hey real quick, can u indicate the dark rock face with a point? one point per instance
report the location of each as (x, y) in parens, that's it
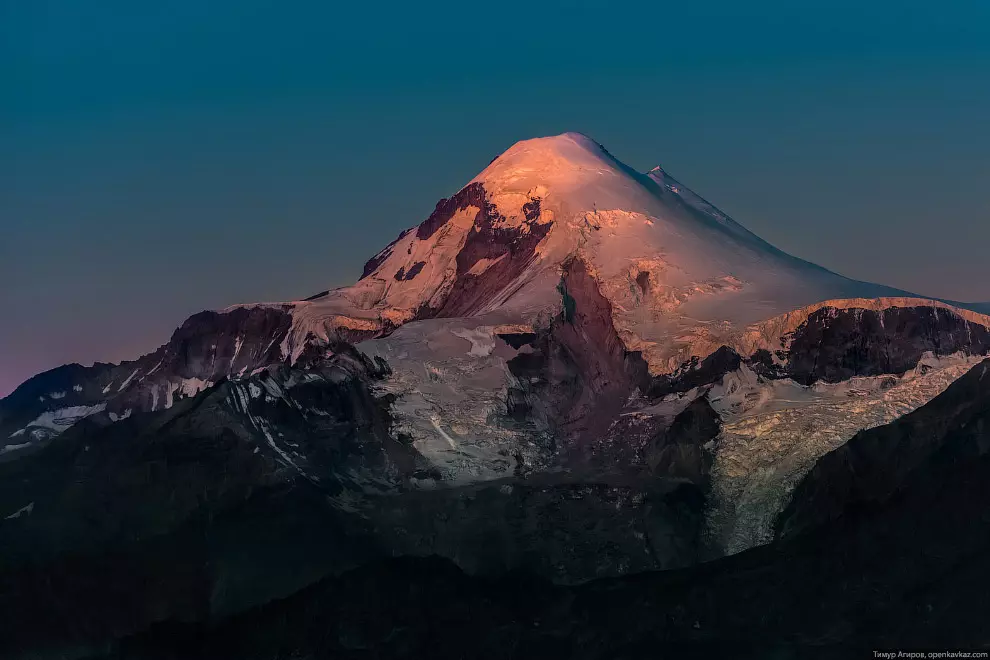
(834, 345)
(874, 465)
(518, 339)
(762, 363)
(510, 249)
(696, 373)
(643, 282)
(678, 445)
(837, 344)
(372, 264)
(401, 275)
(471, 195)
(317, 351)
(578, 375)
(531, 209)
(206, 345)
(415, 269)
(575, 380)
(686, 449)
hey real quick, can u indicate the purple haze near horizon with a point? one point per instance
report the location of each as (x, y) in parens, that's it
(165, 159)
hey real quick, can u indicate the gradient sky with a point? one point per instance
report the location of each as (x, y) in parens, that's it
(157, 159)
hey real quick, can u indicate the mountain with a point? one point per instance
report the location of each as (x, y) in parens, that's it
(906, 570)
(568, 368)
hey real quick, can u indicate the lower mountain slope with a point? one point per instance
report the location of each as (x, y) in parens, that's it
(909, 570)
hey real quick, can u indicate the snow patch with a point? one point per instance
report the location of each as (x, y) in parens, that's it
(61, 419)
(23, 511)
(482, 340)
(483, 264)
(237, 349)
(114, 417)
(193, 386)
(127, 381)
(443, 434)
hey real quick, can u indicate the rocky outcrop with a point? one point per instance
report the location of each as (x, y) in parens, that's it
(834, 345)
(210, 345)
(576, 375)
(839, 339)
(402, 275)
(696, 373)
(493, 256)
(472, 194)
(372, 264)
(207, 348)
(686, 449)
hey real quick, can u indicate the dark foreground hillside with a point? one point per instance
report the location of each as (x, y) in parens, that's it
(902, 567)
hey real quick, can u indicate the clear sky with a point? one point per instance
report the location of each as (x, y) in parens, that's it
(159, 158)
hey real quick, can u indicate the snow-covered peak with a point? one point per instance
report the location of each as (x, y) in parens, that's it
(569, 170)
(565, 157)
(681, 276)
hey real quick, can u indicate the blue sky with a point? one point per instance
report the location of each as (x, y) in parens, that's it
(161, 158)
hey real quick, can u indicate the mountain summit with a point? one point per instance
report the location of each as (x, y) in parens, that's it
(682, 278)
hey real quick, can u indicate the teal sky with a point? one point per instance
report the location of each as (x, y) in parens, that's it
(157, 159)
